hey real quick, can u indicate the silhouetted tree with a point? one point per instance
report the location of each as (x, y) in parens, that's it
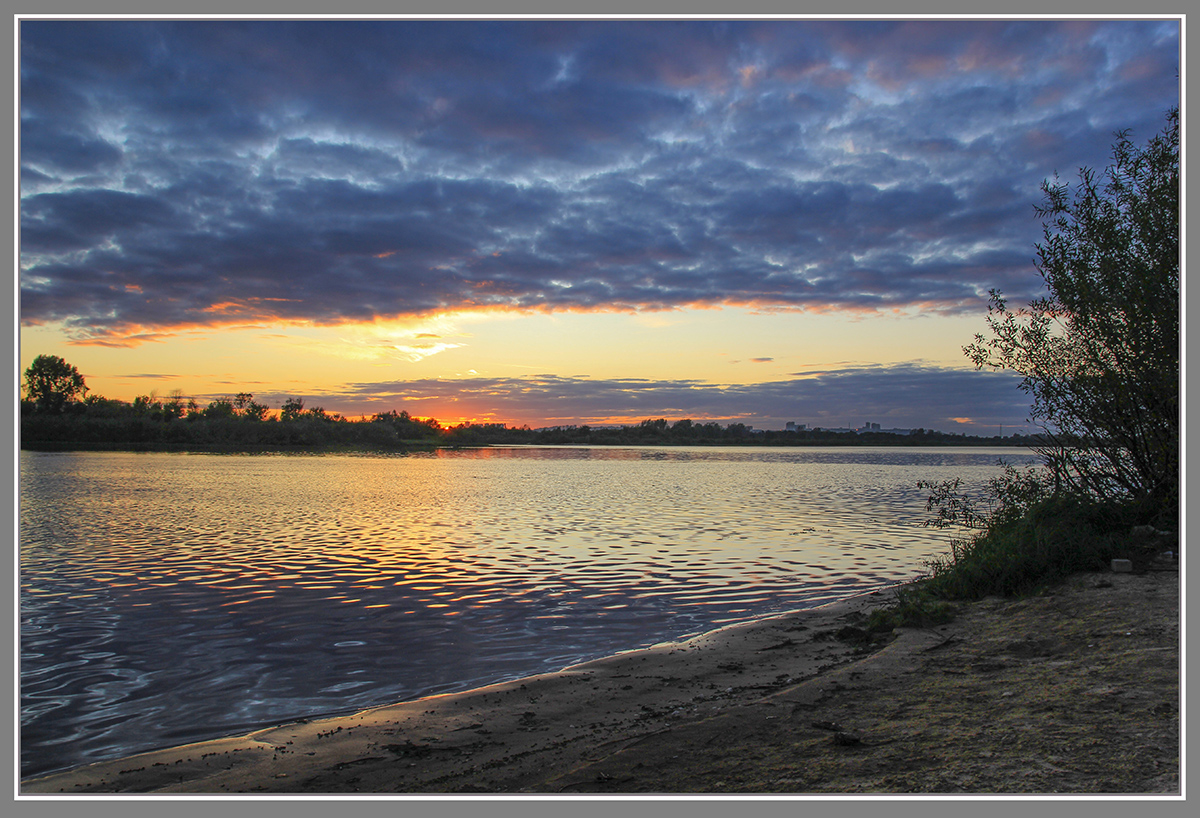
(1100, 352)
(51, 383)
(172, 407)
(219, 408)
(255, 411)
(652, 428)
(293, 409)
(144, 404)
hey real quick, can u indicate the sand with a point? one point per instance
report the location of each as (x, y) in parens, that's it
(1075, 690)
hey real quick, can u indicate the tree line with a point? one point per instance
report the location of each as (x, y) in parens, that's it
(57, 412)
(686, 432)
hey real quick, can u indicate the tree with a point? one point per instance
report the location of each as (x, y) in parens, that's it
(1100, 351)
(51, 383)
(172, 407)
(145, 404)
(255, 411)
(293, 409)
(219, 408)
(652, 428)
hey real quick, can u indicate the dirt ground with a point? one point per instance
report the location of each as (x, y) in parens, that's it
(1072, 691)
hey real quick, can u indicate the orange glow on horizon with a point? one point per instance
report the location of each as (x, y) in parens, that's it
(494, 363)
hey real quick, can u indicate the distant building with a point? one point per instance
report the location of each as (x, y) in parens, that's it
(790, 426)
(874, 427)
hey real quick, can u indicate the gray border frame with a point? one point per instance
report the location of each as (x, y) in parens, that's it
(662, 806)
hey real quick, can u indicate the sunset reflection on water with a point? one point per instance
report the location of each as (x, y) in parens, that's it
(171, 597)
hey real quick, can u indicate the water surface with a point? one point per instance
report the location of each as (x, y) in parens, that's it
(167, 597)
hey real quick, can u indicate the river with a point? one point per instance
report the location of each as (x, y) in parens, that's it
(169, 597)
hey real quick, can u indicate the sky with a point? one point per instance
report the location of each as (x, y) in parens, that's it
(559, 222)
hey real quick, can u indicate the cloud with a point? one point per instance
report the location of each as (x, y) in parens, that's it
(183, 174)
(911, 395)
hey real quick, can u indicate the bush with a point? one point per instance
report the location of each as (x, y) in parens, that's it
(1099, 354)
(1100, 351)
(1055, 538)
(1023, 535)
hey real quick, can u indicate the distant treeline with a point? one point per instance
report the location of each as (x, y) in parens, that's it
(661, 432)
(237, 424)
(241, 424)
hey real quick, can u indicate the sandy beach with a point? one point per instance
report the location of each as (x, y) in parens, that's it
(1072, 691)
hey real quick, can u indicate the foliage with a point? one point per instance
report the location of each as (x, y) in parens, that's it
(220, 408)
(1100, 358)
(173, 407)
(1021, 536)
(244, 406)
(1100, 351)
(292, 409)
(1057, 537)
(407, 427)
(1006, 497)
(51, 384)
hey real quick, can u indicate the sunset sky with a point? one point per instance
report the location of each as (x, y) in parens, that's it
(559, 222)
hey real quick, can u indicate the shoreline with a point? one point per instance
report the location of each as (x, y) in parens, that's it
(776, 704)
(332, 713)
(64, 446)
(442, 712)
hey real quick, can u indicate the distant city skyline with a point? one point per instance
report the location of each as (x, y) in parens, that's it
(556, 222)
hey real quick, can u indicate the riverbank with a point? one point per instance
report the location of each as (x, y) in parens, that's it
(104, 425)
(1075, 690)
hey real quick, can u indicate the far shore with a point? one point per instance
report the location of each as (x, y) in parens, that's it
(230, 448)
(1073, 690)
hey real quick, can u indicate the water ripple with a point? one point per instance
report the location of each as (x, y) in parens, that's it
(172, 597)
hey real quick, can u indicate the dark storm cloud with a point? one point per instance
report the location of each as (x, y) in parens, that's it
(912, 395)
(203, 173)
(64, 151)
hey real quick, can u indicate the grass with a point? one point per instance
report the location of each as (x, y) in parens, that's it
(1013, 555)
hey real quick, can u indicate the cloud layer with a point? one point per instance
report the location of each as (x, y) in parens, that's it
(912, 395)
(206, 173)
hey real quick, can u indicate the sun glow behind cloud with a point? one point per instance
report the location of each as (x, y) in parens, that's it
(497, 366)
(382, 341)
